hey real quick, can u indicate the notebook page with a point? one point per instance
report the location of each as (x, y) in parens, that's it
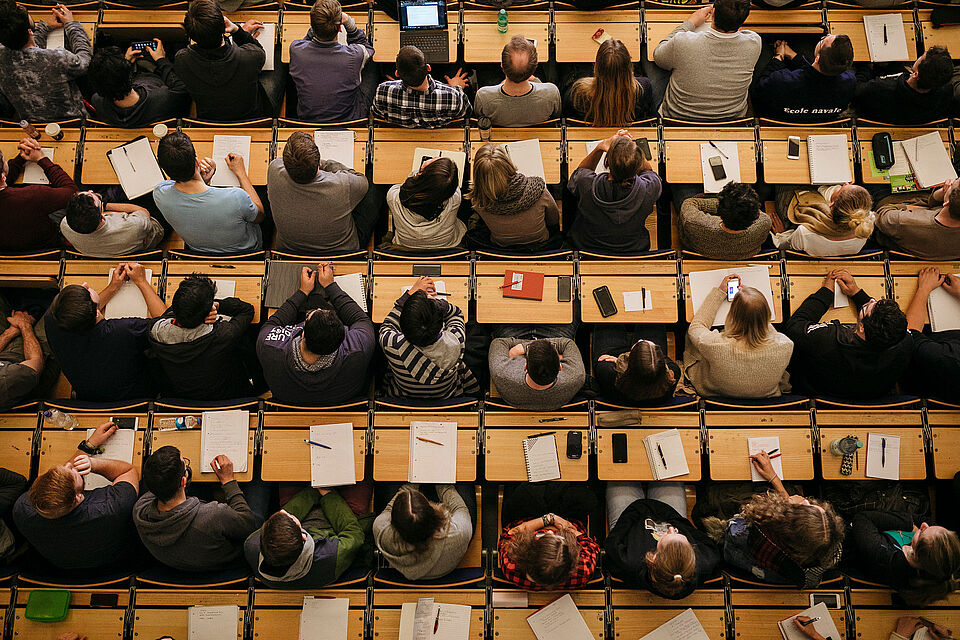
(602, 165)
(768, 444)
(421, 155)
(825, 626)
(731, 165)
(829, 162)
(56, 39)
(136, 167)
(543, 462)
(431, 462)
(352, 285)
(224, 433)
(674, 462)
(453, 621)
(268, 40)
(33, 174)
(333, 467)
(886, 38)
(225, 289)
(222, 147)
(685, 626)
(883, 456)
(929, 160)
(559, 620)
(213, 623)
(638, 300)
(324, 618)
(526, 157)
(756, 276)
(118, 447)
(944, 309)
(335, 145)
(127, 302)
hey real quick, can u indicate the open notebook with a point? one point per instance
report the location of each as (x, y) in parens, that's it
(541, 458)
(944, 309)
(886, 37)
(222, 147)
(825, 626)
(136, 167)
(283, 279)
(929, 160)
(433, 452)
(224, 433)
(665, 453)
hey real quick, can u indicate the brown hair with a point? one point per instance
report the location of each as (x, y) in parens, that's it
(492, 172)
(953, 207)
(939, 560)
(624, 160)
(749, 318)
(547, 560)
(609, 97)
(416, 519)
(54, 494)
(281, 540)
(672, 567)
(645, 375)
(325, 19)
(301, 158)
(851, 209)
(518, 45)
(810, 537)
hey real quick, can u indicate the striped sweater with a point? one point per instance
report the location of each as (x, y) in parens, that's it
(411, 372)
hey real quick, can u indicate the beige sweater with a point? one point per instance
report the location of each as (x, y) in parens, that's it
(717, 365)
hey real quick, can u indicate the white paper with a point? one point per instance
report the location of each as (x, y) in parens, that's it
(829, 159)
(33, 174)
(510, 599)
(559, 620)
(929, 160)
(768, 444)
(756, 276)
(335, 145)
(542, 459)
(118, 447)
(268, 40)
(900, 166)
(840, 299)
(342, 35)
(433, 463)
(824, 626)
(685, 626)
(453, 622)
(439, 286)
(224, 433)
(635, 300)
(127, 302)
(421, 155)
(886, 39)
(526, 157)
(136, 167)
(943, 309)
(602, 165)
(731, 165)
(324, 618)
(56, 39)
(674, 461)
(352, 285)
(213, 623)
(333, 467)
(222, 147)
(883, 456)
(225, 289)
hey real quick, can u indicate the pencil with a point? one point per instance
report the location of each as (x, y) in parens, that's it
(429, 440)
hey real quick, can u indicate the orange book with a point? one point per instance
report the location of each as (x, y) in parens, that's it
(522, 284)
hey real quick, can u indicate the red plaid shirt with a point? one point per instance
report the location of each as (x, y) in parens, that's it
(582, 573)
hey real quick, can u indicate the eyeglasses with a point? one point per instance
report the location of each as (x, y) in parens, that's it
(186, 463)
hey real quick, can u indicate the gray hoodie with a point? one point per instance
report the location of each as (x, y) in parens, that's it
(196, 535)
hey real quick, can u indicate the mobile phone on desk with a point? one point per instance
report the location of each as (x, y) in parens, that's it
(716, 165)
(793, 148)
(574, 444)
(619, 443)
(733, 286)
(125, 422)
(564, 288)
(604, 301)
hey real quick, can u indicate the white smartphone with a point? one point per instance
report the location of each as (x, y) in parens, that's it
(793, 148)
(733, 285)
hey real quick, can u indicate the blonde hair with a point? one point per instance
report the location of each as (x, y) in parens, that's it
(492, 172)
(850, 209)
(672, 567)
(939, 560)
(749, 318)
(809, 536)
(54, 494)
(609, 97)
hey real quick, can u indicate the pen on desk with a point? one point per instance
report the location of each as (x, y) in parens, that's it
(127, 156)
(509, 285)
(643, 298)
(539, 435)
(662, 459)
(883, 452)
(712, 144)
(422, 439)
(810, 621)
(440, 293)
(317, 444)
(222, 266)
(551, 419)
(773, 451)
(436, 622)
(884, 34)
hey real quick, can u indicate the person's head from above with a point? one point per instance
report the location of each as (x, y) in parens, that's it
(493, 172)
(301, 158)
(748, 321)
(624, 160)
(850, 208)
(729, 15)
(166, 473)
(111, 74)
(416, 519)
(547, 556)
(646, 375)
(951, 202)
(881, 323)
(16, 25)
(427, 191)
(281, 542)
(76, 308)
(412, 67)
(543, 364)
(673, 566)
(833, 54)
(204, 23)
(519, 59)
(932, 70)
(323, 332)
(193, 301)
(325, 19)
(176, 155)
(738, 206)
(609, 97)
(807, 530)
(421, 320)
(935, 552)
(58, 491)
(85, 212)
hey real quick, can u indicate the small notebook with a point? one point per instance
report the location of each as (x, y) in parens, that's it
(602, 165)
(685, 626)
(829, 160)
(33, 174)
(56, 39)
(666, 456)
(118, 447)
(335, 145)
(433, 452)
(731, 165)
(638, 300)
(526, 157)
(352, 284)
(268, 40)
(419, 619)
(522, 284)
(136, 167)
(324, 618)
(943, 309)
(222, 147)
(127, 302)
(840, 299)
(224, 433)
(756, 276)
(824, 626)
(929, 160)
(541, 458)
(421, 155)
(768, 444)
(336, 466)
(883, 456)
(559, 620)
(886, 38)
(225, 289)
(213, 623)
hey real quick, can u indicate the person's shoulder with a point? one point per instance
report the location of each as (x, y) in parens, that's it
(163, 187)
(751, 36)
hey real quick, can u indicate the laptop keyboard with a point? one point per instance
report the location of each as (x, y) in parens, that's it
(434, 44)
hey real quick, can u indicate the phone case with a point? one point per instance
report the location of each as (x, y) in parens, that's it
(574, 445)
(603, 297)
(718, 172)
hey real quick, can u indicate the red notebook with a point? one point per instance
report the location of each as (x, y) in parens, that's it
(523, 284)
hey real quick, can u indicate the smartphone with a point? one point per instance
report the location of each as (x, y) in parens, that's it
(644, 146)
(604, 301)
(716, 165)
(793, 148)
(832, 600)
(619, 441)
(125, 422)
(574, 445)
(104, 599)
(733, 286)
(140, 46)
(564, 288)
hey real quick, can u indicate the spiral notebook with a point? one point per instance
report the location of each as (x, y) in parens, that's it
(944, 309)
(283, 278)
(666, 456)
(829, 161)
(136, 167)
(541, 458)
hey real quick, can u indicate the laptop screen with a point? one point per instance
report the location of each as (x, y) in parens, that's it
(423, 14)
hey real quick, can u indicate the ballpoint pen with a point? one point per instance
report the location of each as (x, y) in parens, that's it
(884, 34)
(810, 621)
(551, 419)
(436, 622)
(317, 444)
(662, 459)
(422, 439)
(725, 156)
(539, 435)
(127, 156)
(883, 452)
(510, 284)
(643, 298)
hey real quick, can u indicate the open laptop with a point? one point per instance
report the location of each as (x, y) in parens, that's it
(423, 24)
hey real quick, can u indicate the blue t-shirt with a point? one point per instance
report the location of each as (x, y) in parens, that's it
(219, 220)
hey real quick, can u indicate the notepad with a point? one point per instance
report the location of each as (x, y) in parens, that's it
(56, 39)
(127, 302)
(527, 285)
(559, 620)
(136, 167)
(685, 626)
(352, 284)
(268, 40)
(335, 145)
(883, 456)
(213, 623)
(421, 155)
(324, 618)
(637, 301)
(33, 174)
(943, 309)
(118, 447)
(222, 147)
(342, 35)
(336, 466)
(418, 620)
(225, 289)
(829, 159)
(840, 299)
(602, 165)
(433, 452)
(224, 433)
(886, 38)
(731, 165)
(525, 155)
(283, 279)
(756, 276)
(541, 458)
(666, 456)
(929, 160)
(824, 626)
(768, 444)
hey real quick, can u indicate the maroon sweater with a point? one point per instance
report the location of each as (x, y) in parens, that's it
(24, 209)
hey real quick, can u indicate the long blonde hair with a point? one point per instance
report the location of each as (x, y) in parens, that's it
(939, 560)
(749, 318)
(673, 567)
(492, 172)
(609, 97)
(850, 209)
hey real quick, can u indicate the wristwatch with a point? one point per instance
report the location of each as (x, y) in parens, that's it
(548, 519)
(89, 449)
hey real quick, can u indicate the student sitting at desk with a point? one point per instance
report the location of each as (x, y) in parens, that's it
(41, 83)
(927, 226)
(864, 360)
(520, 100)
(423, 340)
(833, 220)
(612, 96)
(612, 207)
(21, 361)
(323, 359)
(425, 207)
(198, 344)
(727, 226)
(129, 96)
(921, 94)
(209, 219)
(935, 365)
(913, 628)
(632, 366)
(536, 375)
(109, 230)
(57, 512)
(416, 99)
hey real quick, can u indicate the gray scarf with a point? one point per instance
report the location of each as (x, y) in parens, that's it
(523, 193)
(299, 568)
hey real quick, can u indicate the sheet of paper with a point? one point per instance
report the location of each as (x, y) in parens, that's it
(33, 174)
(886, 38)
(118, 447)
(602, 165)
(756, 276)
(731, 164)
(268, 40)
(424, 618)
(324, 618)
(825, 626)
(829, 159)
(225, 289)
(431, 462)
(224, 433)
(559, 620)
(335, 145)
(222, 147)
(768, 444)
(883, 456)
(440, 286)
(342, 35)
(685, 626)
(542, 459)
(56, 39)
(840, 299)
(418, 620)
(127, 302)
(336, 466)
(213, 623)
(929, 160)
(636, 301)
(900, 166)
(136, 167)
(525, 155)
(943, 309)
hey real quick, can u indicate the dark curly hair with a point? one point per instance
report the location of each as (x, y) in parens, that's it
(885, 326)
(738, 206)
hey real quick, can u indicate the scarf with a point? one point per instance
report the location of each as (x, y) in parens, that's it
(522, 193)
(322, 361)
(300, 567)
(811, 209)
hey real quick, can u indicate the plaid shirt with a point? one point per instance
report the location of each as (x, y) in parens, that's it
(580, 576)
(429, 109)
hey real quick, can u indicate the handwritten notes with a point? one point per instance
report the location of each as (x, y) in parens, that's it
(222, 147)
(335, 145)
(213, 623)
(559, 620)
(224, 433)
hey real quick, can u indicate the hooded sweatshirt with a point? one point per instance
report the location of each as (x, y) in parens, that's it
(610, 216)
(195, 535)
(162, 96)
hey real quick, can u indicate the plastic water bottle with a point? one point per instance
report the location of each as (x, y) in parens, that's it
(502, 21)
(187, 422)
(60, 419)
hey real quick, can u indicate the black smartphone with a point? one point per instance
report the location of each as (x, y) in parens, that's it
(619, 441)
(125, 422)
(644, 146)
(604, 301)
(574, 445)
(430, 270)
(104, 600)
(564, 288)
(140, 46)
(716, 165)
(883, 155)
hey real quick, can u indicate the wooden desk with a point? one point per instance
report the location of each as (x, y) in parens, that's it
(493, 307)
(17, 444)
(103, 624)
(482, 42)
(96, 167)
(636, 623)
(161, 612)
(33, 273)
(550, 146)
(386, 622)
(762, 623)
(293, 598)
(850, 22)
(777, 168)
(391, 443)
(248, 276)
(839, 424)
(637, 468)
(728, 449)
(945, 36)
(390, 277)
(385, 36)
(905, 280)
(946, 442)
(188, 441)
(64, 152)
(286, 457)
(284, 624)
(578, 137)
(58, 446)
(96, 273)
(506, 430)
(657, 276)
(876, 624)
(393, 149)
(360, 139)
(865, 138)
(682, 151)
(573, 32)
(512, 623)
(261, 140)
(776, 284)
(806, 277)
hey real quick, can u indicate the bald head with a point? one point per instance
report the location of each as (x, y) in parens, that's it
(519, 59)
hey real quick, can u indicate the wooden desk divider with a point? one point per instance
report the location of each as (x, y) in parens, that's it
(945, 441)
